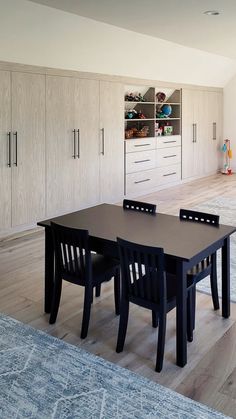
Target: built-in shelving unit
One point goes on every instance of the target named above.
(152, 138)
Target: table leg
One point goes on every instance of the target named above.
(49, 269)
(181, 315)
(226, 278)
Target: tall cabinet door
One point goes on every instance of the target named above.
(188, 133)
(28, 127)
(112, 144)
(86, 190)
(5, 163)
(62, 166)
(214, 129)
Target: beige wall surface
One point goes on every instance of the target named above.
(229, 121)
(34, 34)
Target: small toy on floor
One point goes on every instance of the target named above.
(227, 157)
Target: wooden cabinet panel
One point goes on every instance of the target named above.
(61, 167)
(214, 127)
(5, 170)
(28, 171)
(86, 190)
(112, 144)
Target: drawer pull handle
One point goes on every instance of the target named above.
(141, 181)
(168, 142)
(140, 145)
(171, 155)
(170, 174)
(142, 161)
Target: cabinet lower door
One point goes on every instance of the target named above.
(87, 188)
(5, 149)
(111, 141)
(28, 127)
(62, 164)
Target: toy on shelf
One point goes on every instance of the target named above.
(227, 157)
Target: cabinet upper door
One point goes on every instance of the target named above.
(111, 141)
(87, 188)
(61, 161)
(5, 169)
(28, 126)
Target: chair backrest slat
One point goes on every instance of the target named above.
(142, 271)
(139, 206)
(72, 254)
(199, 217)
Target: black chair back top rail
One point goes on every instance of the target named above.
(139, 206)
(200, 217)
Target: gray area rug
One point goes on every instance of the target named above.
(226, 209)
(45, 378)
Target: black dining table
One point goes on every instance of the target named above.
(185, 244)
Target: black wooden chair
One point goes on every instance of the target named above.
(145, 283)
(206, 266)
(139, 206)
(75, 263)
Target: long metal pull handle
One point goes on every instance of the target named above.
(9, 148)
(214, 131)
(141, 181)
(103, 141)
(141, 145)
(73, 155)
(16, 148)
(142, 161)
(171, 155)
(195, 133)
(170, 174)
(78, 139)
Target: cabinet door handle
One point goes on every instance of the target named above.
(141, 145)
(195, 133)
(214, 131)
(170, 174)
(168, 142)
(141, 181)
(103, 141)
(9, 148)
(16, 148)
(78, 138)
(142, 161)
(73, 155)
(171, 155)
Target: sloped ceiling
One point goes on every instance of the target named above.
(179, 21)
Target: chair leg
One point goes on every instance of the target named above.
(191, 312)
(124, 315)
(213, 279)
(55, 300)
(154, 319)
(86, 312)
(161, 341)
(117, 291)
(98, 290)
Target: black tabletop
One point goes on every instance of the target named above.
(179, 238)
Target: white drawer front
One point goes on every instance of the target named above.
(168, 174)
(168, 156)
(142, 160)
(141, 144)
(169, 141)
(137, 183)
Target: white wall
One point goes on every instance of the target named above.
(38, 35)
(230, 116)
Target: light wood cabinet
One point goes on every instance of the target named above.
(5, 152)
(22, 167)
(194, 132)
(111, 142)
(214, 130)
(28, 128)
(72, 134)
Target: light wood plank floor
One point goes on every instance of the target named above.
(209, 376)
